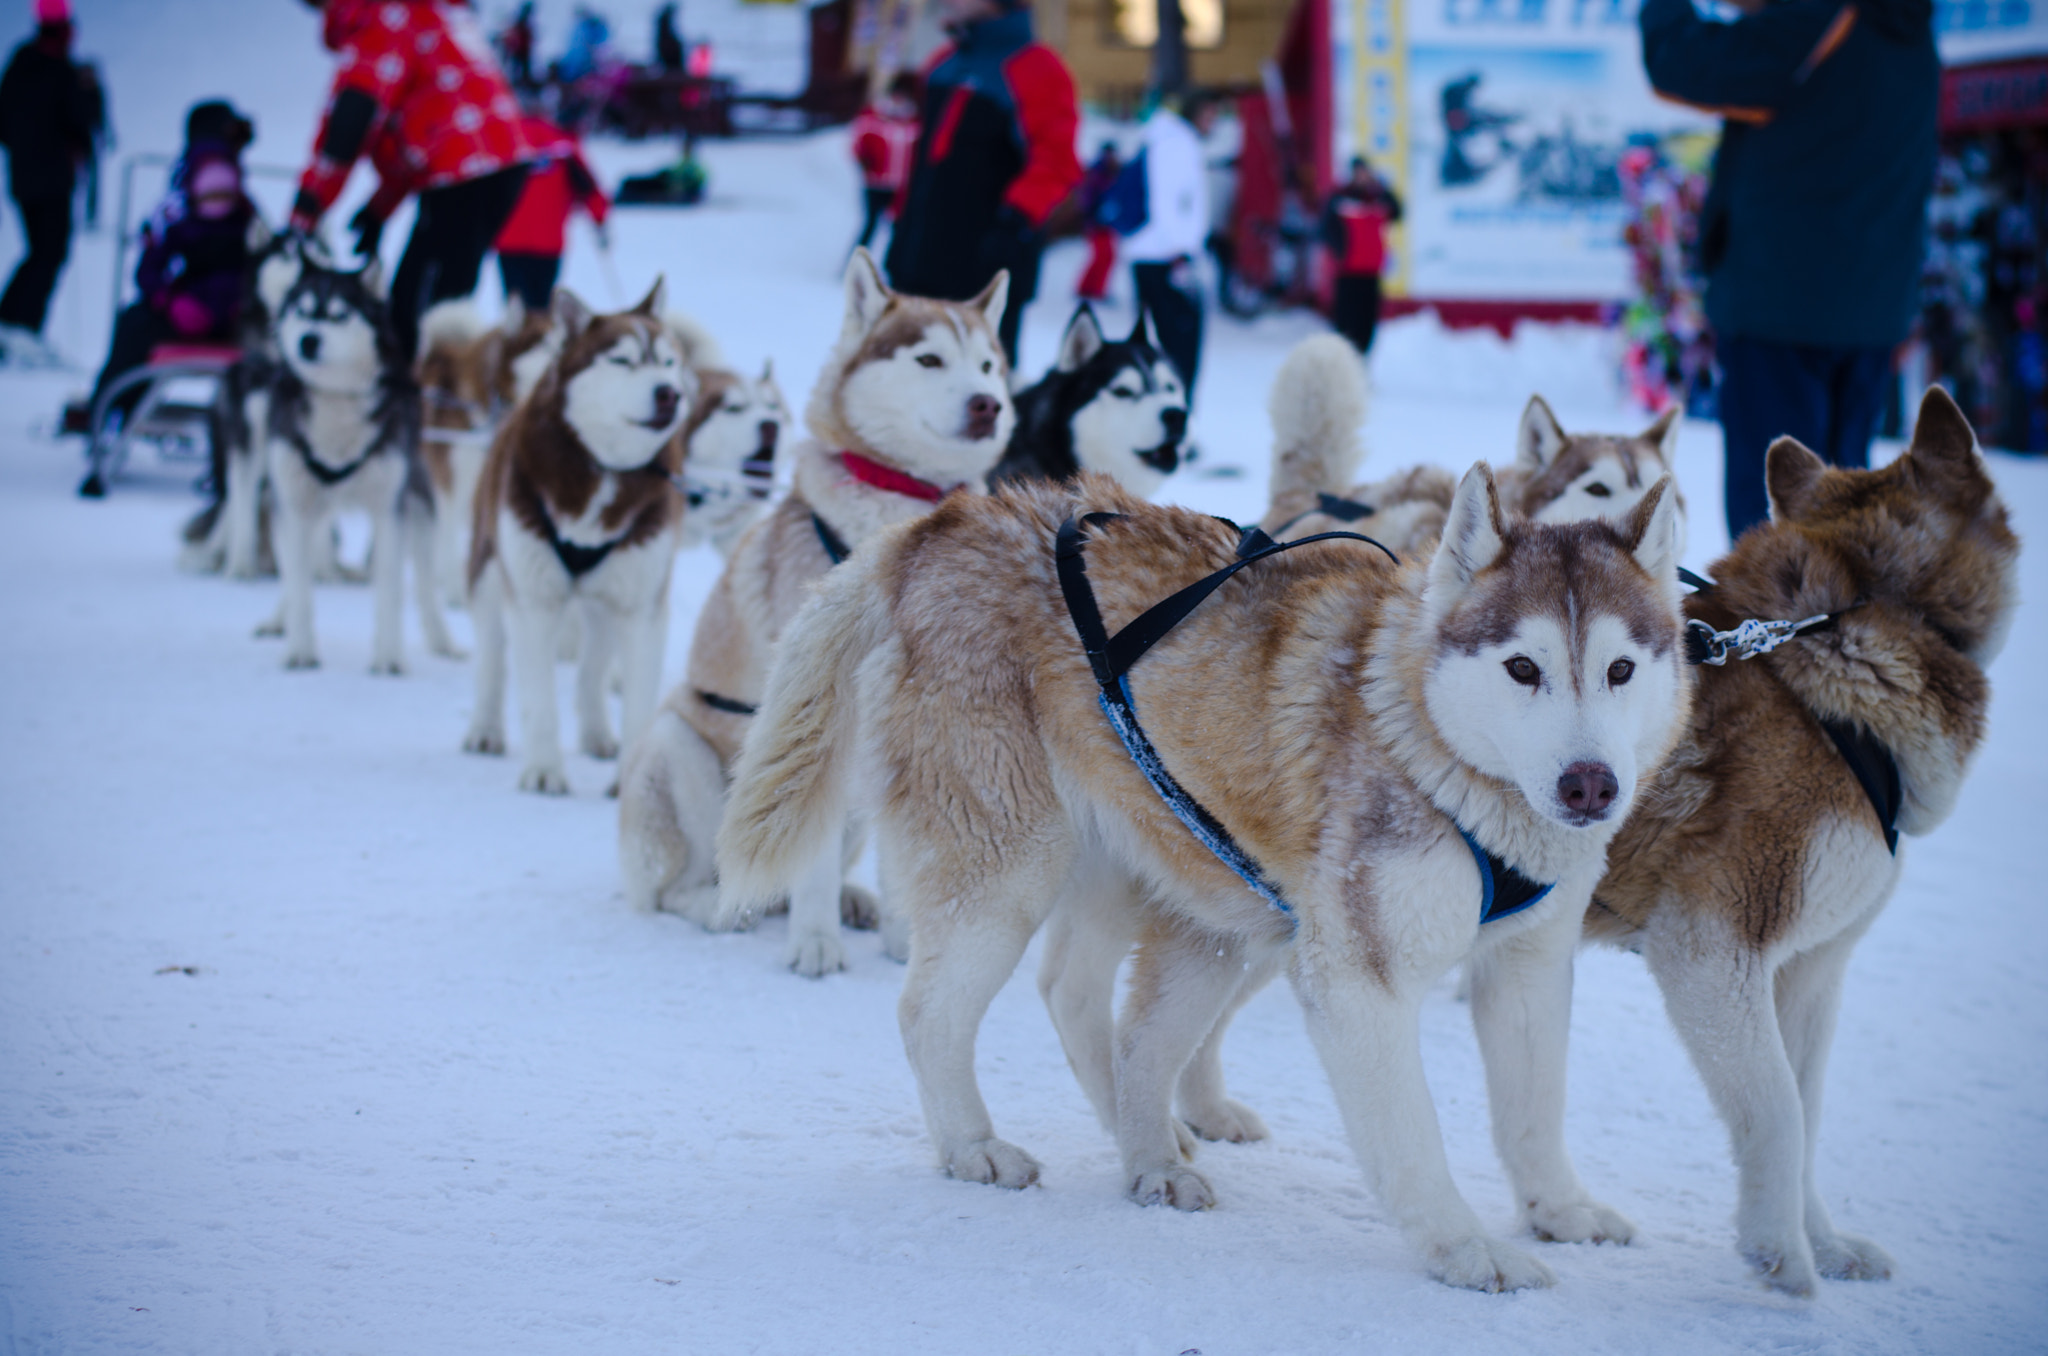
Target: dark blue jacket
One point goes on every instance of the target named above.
(1815, 224)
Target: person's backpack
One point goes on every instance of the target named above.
(1124, 208)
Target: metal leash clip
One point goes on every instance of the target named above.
(1705, 645)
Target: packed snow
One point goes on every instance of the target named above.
(317, 1036)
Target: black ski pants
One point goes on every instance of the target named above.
(456, 226)
(1355, 310)
(1168, 294)
(530, 277)
(47, 224)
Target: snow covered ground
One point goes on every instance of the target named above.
(316, 1036)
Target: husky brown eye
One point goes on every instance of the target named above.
(1524, 671)
(1598, 491)
(987, 366)
(1620, 671)
(930, 360)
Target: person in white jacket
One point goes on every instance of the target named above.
(1163, 251)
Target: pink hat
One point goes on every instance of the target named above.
(53, 11)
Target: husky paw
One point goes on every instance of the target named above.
(548, 781)
(269, 630)
(1847, 1257)
(388, 668)
(694, 902)
(1230, 1121)
(1789, 1269)
(447, 649)
(1186, 1142)
(815, 954)
(484, 741)
(859, 909)
(302, 661)
(1482, 1263)
(994, 1162)
(896, 937)
(1581, 1221)
(243, 569)
(1180, 1187)
(598, 744)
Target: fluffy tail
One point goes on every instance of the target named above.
(788, 799)
(1317, 406)
(452, 324)
(700, 350)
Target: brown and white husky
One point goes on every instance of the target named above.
(912, 405)
(578, 506)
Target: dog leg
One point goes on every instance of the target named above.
(1204, 1106)
(671, 793)
(1086, 939)
(1181, 982)
(424, 538)
(1368, 1035)
(245, 496)
(961, 952)
(1809, 993)
(600, 643)
(893, 921)
(646, 633)
(815, 948)
(295, 531)
(1719, 994)
(1522, 1010)
(535, 624)
(387, 578)
(487, 615)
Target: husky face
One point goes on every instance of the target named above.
(1559, 668)
(735, 427)
(331, 327)
(624, 386)
(926, 386)
(1567, 478)
(1124, 402)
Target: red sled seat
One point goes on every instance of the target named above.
(193, 355)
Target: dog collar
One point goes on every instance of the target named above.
(874, 473)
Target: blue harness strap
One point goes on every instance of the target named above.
(1502, 889)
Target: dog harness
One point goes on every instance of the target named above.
(1330, 506)
(1873, 765)
(1503, 890)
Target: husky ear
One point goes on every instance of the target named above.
(371, 276)
(515, 314)
(1540, 438)
(994, 298)
(1144, 330)
(1651, 531)
(651, 304)
(768, 371)
(1082, 341)
(275, 276)
(1943, 453)
(1662, 434)
(1474, 533)
(570, 313)
(1791, 470)
(867, 296)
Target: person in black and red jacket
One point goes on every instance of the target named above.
(994, 157)
(1354, 226)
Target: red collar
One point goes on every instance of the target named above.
(889, 478)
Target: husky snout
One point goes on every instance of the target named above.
(1587, 791)
(309, 346)
(982, 413)
(667, 400)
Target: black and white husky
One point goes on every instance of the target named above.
(1117, 407)
(336, 424)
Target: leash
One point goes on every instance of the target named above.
(1330, 506)
(1503, 890)
(1875, 768)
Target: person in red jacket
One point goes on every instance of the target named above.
(419, 90)
(530, 247)
(995, 156)
(1354, 226)
(883, 136)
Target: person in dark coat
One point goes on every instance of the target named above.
(46, 125)
(668, 43)
(1814, 228)
(994, 157)
(1354, 228)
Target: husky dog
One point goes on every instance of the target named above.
(1765, 847)
(1360, 748)
(471, 375)
(1561, 477)
(913, 403)
(577, 504)
(1118, 408)
(340, 426)
(733, 431)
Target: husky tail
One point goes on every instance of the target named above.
(1317, 406)
(785, 817)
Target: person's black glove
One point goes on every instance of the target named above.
(369, 231)
(1012, 242)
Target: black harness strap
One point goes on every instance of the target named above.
(577, 560)
(1330, 506)
(725, 704)
(331, 475)
(835, 546)
(1111, 657)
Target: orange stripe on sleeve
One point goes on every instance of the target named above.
(1837, 33)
